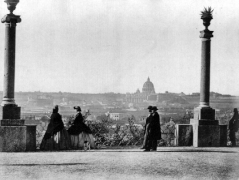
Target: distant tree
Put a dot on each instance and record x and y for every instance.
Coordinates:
(102, 117)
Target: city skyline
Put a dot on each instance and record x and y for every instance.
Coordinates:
(122, 93)
(114, 46)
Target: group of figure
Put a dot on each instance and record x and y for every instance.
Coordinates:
(57, 137)
(152, 130)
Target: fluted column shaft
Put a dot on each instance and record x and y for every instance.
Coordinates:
(205, 68)
(10, 21)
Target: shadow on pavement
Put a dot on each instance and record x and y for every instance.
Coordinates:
(62, 164)
(168, 151)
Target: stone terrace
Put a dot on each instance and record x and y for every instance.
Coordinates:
(166, 163)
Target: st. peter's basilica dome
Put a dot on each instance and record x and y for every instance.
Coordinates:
(148, 87)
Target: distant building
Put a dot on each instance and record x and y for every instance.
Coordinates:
(40, 100)
(116, 114)
(148, 87)
(148, 95)
(137, 97)
(195, 94)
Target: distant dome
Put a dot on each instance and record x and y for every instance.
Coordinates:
(148, 87)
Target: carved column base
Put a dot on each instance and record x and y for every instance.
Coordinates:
(204, 113)
(12, 122)
(11, 111)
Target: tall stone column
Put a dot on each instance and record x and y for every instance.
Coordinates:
(204, 111)
(10, 109)
(206, 129)
(205, 67)
(14, 134)
(9, 58)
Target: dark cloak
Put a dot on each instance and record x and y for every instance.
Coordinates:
(54, 126)
(234, 122)
(79, 126)
(153, 127)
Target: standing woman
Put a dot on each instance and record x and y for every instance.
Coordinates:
(233, 127)
(56, 137)
(79, 132)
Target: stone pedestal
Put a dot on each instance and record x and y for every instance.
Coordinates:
(206, 130)
(31, 138)
(209, 135)
(12, 138)
(184, 135)
(17, 138)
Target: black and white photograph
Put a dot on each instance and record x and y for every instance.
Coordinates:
(119, 89)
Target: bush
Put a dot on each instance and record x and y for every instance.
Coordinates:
(107, 133)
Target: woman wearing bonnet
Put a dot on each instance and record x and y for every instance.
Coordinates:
(56, 136)
(79, 132)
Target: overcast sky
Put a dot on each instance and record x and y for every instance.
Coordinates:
(97, 46)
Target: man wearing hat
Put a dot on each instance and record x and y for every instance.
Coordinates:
(154, 130)
(146, 128)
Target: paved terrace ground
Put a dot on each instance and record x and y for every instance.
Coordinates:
(122, 164)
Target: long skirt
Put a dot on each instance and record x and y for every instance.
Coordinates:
(77, 141)
(232, 137)
(60, 141)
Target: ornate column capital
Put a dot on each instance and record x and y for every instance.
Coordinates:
(11, 18)
(206, 34)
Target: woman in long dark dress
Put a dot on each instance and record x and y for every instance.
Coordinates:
(233, 127)
(56, 136)
(80, 132)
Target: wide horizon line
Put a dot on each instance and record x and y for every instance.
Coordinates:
(110, 92)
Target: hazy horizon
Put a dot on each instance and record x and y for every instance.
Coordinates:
(98, 46)
(109, 92)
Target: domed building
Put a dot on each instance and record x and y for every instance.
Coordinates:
(148, 89)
